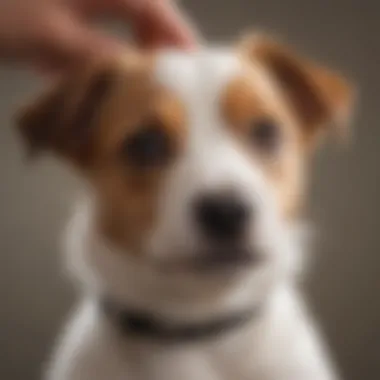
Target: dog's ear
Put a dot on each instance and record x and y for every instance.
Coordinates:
(65, 118)
(318, 97)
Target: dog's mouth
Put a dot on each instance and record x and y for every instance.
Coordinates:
(226, 258)
(216, 260)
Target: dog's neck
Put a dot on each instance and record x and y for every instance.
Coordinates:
(103, 270)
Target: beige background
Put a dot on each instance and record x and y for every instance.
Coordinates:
(35, 201)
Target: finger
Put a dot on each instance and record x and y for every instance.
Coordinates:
(69, 42)
(94, 8)
(161, 23)
(155, 22)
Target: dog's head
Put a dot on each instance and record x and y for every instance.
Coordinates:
(196, 159)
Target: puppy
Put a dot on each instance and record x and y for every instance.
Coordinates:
(188, 242)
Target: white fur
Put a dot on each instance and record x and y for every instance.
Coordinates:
(279, 345)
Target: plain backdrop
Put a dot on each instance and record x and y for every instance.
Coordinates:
(35, 200)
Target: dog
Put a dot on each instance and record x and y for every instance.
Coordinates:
(189, 241)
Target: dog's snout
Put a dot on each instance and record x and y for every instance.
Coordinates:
(221, 216)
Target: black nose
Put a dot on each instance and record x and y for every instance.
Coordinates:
(221, 216)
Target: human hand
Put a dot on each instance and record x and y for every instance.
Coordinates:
(54, 34)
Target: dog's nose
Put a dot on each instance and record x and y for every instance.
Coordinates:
(221, 217)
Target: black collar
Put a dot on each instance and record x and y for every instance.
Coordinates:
(144, 325)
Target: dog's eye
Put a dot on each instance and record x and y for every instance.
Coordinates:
(265, 134)
(148, 147)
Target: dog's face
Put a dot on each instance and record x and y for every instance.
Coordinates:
(196, 159)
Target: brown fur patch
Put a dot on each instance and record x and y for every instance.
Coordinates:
(243, 105)
(306, 99)
(129, 193)
(317, 97)
(86, 119)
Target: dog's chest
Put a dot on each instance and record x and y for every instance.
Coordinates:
(176, 363)
(229, 358)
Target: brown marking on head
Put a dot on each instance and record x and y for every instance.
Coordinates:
(318, 97)
(101, 119)
(278, 107)
(265, 131)
(62, 120)
(241, 102)
(128, 178)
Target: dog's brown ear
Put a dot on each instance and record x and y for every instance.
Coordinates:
(317, 96)
(64, 119)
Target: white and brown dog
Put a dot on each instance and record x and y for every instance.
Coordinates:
(187, 244)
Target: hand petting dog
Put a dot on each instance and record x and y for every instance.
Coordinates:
(53, 35)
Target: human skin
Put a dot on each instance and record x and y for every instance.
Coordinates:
(55, 34)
